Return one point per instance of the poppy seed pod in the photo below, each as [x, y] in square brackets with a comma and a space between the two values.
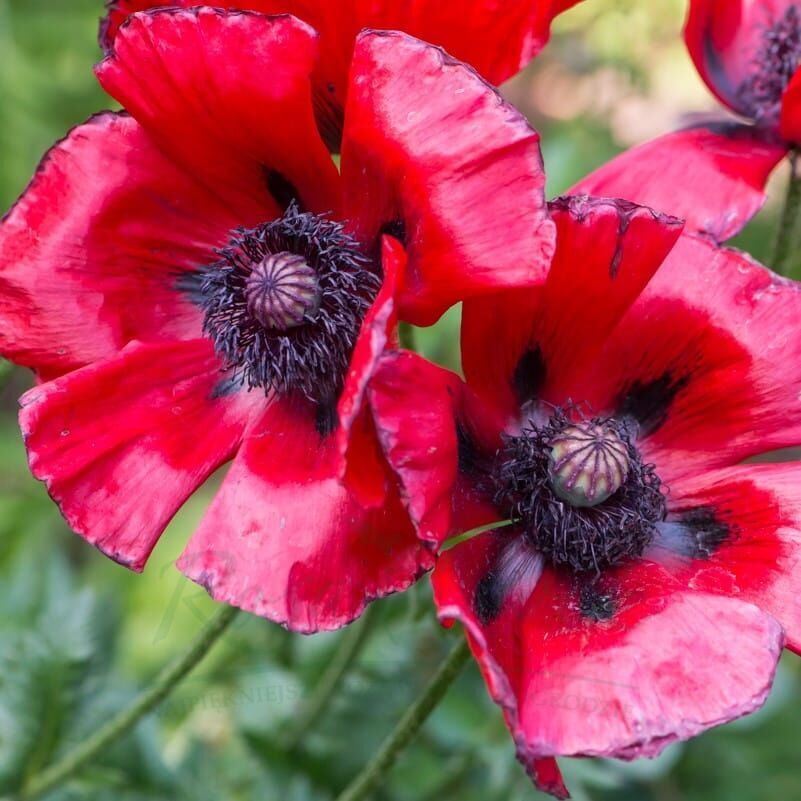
[282, 291]
[588, 464]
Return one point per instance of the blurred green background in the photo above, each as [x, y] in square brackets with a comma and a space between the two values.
[79, 635]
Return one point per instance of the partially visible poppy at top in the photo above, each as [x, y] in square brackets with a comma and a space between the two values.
[496, 37]
[638, 579]
[748, 52]
[193, 281]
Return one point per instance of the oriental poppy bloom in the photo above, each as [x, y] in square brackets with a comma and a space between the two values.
[193, 281]
[748, 52]
[637, 580]
[496, 37]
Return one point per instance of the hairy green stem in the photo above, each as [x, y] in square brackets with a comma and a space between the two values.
[786, 258]
[315, 705]
[408, 726]
[166, 681]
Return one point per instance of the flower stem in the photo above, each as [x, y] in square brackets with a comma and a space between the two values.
[5, 372]
[406, 336]
[312, 709]
[166, 681]
[408, 726]
[786, 259]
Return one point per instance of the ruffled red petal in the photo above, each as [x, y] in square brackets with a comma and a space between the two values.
[121, 444]
[747, 541]
[433, 155]
[285, 537]
[720, 377]
[359, 458]
[622, 667]
[497, 43]
[117, 11]
[91, 251]
[526, 344]
[713, 177]
[195, 80]
[377, 332]
[433, 431]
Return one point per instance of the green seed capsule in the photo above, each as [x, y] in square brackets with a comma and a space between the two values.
[589, 462]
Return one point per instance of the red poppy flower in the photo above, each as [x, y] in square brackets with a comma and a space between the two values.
[183, 281]
[711, 176]
[496, 37]
[748, 52]
[645, 580]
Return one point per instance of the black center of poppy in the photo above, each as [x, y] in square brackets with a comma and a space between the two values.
[775, 63]
[285, 302]
[579, 491]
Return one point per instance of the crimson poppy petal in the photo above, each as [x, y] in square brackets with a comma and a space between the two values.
[283, 524]
[547, 777]
[738, 532]
[432, 154]
[92, 250]
[377, 332]
[496, 42]
[251, 140]
[432, 430]
[359, 456]
[713, 177]
[720, 378]
[515, 342]
[121, 444]
[117, 11]
[522, 28]
[621, 667]
[714, 37]
[790, 118]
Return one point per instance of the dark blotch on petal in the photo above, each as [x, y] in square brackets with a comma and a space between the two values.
[513, 574]
[528, 376]
[191, 285]
[716, 69]
[489, 596]
[705, 533]
[225, 387]
[648, 402]
[396, 229]
[326, 419]
[596, 604]
[472, 460]
[282, 189]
